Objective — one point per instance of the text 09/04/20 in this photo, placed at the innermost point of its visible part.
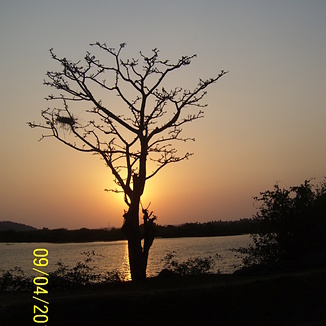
(40, 281)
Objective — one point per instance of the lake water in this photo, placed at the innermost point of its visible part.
(114, 255)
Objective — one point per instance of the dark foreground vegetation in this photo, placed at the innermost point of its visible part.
(183, 294)
(85, 274)
(282, 282)
(216, 228)
(275, 299)
(292, 229)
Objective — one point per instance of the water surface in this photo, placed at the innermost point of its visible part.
(114, 255)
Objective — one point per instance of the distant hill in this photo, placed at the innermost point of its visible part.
(7, 225)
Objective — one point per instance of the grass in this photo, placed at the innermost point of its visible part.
(296, 298)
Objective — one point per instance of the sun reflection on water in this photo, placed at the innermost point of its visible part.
(113, 256)
(125, 270)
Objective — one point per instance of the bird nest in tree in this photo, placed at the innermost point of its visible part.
(66, 120)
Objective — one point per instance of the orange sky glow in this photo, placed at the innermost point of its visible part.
(264, 123)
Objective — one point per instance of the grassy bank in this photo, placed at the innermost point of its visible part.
(273, 299)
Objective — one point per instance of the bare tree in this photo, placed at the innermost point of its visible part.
(141, 130)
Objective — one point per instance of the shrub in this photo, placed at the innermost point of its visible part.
(81, 274)
(193, 266)
(15, 280)
(292, 225)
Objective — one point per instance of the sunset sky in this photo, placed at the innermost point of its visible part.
(264, 123)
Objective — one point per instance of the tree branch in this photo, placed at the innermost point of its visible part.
(128, 139)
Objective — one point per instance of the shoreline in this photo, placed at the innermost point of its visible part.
(93, 241)
(207, 229)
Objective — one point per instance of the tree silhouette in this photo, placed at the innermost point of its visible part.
(292, 226)
(140, 130)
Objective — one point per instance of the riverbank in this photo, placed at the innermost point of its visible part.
(296, 298)
(208, 229)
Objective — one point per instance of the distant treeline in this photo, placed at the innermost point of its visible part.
(217, 228)
(209, 229)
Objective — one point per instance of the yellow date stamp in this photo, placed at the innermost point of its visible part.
(41, 306)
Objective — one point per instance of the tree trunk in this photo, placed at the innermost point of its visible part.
(136, 260)
(138, 255)
(149, 234)
(130, 228)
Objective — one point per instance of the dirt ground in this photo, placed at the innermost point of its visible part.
(282, 299)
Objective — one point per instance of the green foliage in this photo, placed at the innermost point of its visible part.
(193, 266)
(292, 225)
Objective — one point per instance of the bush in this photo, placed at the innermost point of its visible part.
(193, 266)
(81, 274)
(15, 280)
(292, 225)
